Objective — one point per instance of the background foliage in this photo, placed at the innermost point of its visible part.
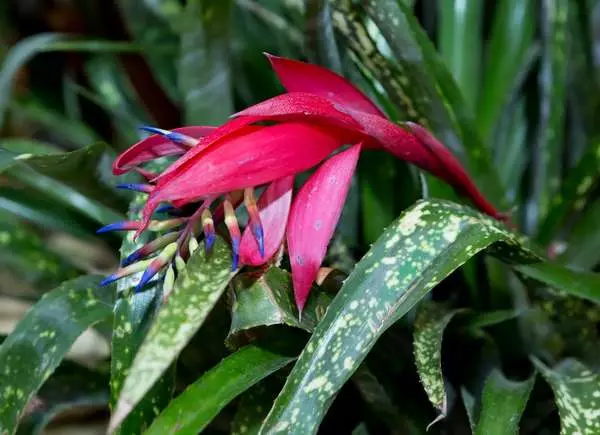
(432, 313)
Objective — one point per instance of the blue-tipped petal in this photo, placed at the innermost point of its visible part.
(147, 276)
(235, 247)
(164, 208)
(136, 187)
(259, 235)
(171, 135)
(118, 226)
(132, 258)
(209, 241)
(109, 279)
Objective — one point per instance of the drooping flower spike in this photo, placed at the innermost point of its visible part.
(219, 168)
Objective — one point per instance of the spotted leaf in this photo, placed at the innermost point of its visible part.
(432, 319)
(134, 313)
(577, 392)
(422, 247)
(197, 289)
(31, 353)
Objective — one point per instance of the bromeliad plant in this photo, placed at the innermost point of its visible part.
(320, 113)
(405, 245)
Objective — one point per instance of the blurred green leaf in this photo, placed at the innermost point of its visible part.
(459, 41)
(149, 31)
(502, 404)
(548, 156)
(584, 285)
(574, 194)
(25, 253)
(70, 178)
(109, 81)
(70, 388)
(27, 48)
(320, 40)
(582, 244)
(20, 145)
(197, 289)
(41, 210)
(41, 339)
(204, 74)
(575, 389)
(430, 324)
(268, 300)
(510, 54)
(19, 55)
(421, 248)
(416, 80)
(190, 412)
(76, 134)
(511, 149)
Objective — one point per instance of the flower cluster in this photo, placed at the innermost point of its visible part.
(267, 145)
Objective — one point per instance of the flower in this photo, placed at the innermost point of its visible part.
(267, 145)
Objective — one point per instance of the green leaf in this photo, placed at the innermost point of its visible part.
(502, 404)
(189, 413)
(416, 80)
(430, 324)
(576, 390)
(134, 313)
(421, 248)
(24, 252)
(19, 54)
(574, 195)
(268, 301)
(71, 387)
(379, 181)
(509, 55)
(459, 42)
(254, 405)
(582, 244)
(76, 133)
(197, 289)
(379, 402)
(511, 149)
(546, 170)
(204, 74)
(71, 178)
(41, 339)
(150, 31)
(37, 208)
(111, 84)
(584, 285)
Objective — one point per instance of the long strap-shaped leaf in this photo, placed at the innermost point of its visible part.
(421, 248)
(133, 316)
(189, 413)
(40, 341)
(197, 289)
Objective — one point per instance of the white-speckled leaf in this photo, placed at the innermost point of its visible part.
(133, 315)
(577, 395)
(502, 404)
(432, 319)
(31, 353)
(196, 291)
(421, 248)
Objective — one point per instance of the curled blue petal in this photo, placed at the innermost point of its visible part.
(118, 226)
(136, 187)
(109, 279)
